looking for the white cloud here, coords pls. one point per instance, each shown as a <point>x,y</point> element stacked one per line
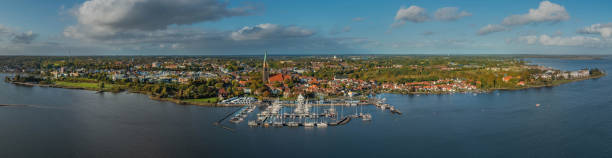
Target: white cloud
<point>546,12</point>
<point>605,30</point>
<point>547,40</point>
<point>358,19</point>
<point>450,14</point>
<point>269,31</point>
<point>491,28</point>
<point>104,18</point>
<point>411,14</point>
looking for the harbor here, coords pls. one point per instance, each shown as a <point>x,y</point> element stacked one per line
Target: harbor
<point>305,113</point>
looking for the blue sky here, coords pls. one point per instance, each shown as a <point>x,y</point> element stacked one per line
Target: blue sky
<point>212,27</point>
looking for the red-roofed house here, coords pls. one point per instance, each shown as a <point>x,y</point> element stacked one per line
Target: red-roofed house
<point>507,78</point>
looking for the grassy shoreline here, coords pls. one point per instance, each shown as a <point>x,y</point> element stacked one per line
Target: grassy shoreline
<point>213,101</point>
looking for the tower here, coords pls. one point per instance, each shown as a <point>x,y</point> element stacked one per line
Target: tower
<point>266,70</point>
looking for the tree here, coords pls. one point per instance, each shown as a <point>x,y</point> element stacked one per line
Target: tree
<point>164,93</point>
<point>219,85</point>
<point>101,85</point>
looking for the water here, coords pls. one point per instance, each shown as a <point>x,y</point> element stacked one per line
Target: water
<point>574,120</point>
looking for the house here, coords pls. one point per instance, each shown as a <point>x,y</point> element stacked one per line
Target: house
<point>580,74</point>
<point>507,78</point>
<point>340,78</point>
<point>155,64</point>
<point>247,90</point>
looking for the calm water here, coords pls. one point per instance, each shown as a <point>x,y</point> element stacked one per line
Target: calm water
<point>574,120</point>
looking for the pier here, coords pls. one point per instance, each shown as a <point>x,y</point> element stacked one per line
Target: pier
<point>302,113</point>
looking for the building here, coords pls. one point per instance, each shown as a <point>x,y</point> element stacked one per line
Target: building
<point>155,64</point>
<point>279,78</point>
<point>266,70</point>
<point>507,78</point>
<point>580,74</point>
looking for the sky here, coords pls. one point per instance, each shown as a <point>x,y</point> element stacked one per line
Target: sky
<point>292,27</point>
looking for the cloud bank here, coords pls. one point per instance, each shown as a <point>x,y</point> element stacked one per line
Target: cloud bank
<point>102,19</point>
<point>269,31</point>
<point>413,13</point>
<point>491,28</point>
<point>450,14</point>
<point>547,40</point>
<point>547,12</point>
<point>605,30</point>
<point>17,37</point>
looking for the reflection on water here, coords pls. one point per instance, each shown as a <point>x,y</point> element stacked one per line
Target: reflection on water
<point>573,120</point>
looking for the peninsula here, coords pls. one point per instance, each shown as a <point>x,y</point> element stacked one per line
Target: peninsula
<point>207,80</point>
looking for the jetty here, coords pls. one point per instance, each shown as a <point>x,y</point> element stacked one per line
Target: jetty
<point>380,103</point>
<point>304,113</point>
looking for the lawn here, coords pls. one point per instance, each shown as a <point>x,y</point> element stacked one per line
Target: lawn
<point>202,100</point>
<point>85,85</point>
<point>77,84</point>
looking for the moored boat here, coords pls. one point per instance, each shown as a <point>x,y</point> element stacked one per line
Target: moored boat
<point>321,125</point>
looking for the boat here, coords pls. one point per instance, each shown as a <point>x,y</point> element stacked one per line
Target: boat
<point>366,117</point>
<point>344,121</point>
<point>331,112</point>
<point>309,124</point>
<point>236,120</point>
<point>252,123</point>
<point>250,109</point>
<point>292,124</point>
<point>321,125</point>
<point>395,111</point>
<point>277,124</point>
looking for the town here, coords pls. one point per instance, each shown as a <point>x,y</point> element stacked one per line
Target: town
<point>205,80</point>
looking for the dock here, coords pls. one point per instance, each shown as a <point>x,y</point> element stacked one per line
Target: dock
<point>302,113</point>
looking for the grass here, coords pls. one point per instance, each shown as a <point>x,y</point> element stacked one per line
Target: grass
<point>202,100</point>
<point>78,84</point>
<point>84,85</point>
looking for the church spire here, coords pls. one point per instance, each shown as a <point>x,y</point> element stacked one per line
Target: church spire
<point>265,69</point>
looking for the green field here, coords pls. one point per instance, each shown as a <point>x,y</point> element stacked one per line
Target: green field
<point>202,100</point>
<point>77,84</point>
<point>84,85</point>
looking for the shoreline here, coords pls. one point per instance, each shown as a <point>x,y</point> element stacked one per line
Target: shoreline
<point>183,102</point>
<point>548,85</point>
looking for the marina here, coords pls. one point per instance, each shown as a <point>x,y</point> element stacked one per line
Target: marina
<point>307,114</point>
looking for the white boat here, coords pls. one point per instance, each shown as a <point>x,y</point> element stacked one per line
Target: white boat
<point>252,123</point>
<point>277,124</point>
<point>309,124</point>
<point>292,124</point>
<point>321,125</point>
<point>366,117</point>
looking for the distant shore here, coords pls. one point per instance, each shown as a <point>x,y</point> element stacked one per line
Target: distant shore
<point>560,82</point>
<point>215,104</point>
<point>568,57</point>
